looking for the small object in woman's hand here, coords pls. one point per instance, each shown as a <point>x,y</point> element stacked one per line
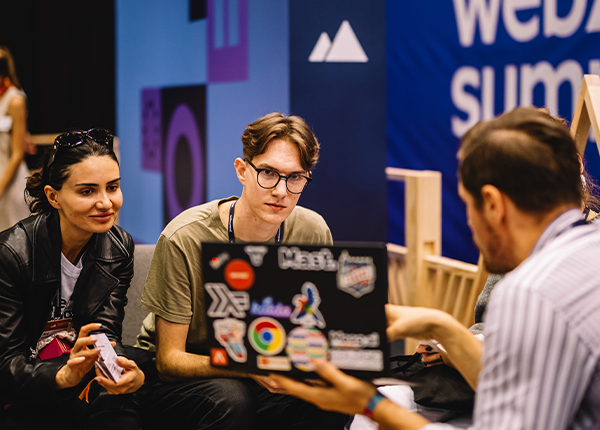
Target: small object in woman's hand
<point>106,361</point>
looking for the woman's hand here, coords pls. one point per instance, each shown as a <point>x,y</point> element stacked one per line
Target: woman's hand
<point>81,359</point>
<point>130,381</point>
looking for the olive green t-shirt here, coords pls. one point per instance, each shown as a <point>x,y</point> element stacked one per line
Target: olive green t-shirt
<point>174,289</point>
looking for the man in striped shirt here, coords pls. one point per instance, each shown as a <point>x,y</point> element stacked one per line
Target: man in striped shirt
<point>519,179</point>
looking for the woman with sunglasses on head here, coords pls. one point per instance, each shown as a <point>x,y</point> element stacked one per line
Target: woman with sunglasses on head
<point>13,129</point>
<point>64,277</point>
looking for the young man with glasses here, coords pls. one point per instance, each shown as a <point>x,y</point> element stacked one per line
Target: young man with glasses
<point>278,153</point>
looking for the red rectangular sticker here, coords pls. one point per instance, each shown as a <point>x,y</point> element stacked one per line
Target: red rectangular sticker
<point>218,357</point>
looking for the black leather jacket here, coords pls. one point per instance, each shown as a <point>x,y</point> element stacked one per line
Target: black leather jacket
<point>30,275</point>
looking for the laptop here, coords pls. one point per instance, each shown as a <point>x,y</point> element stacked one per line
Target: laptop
<point>273,308</point>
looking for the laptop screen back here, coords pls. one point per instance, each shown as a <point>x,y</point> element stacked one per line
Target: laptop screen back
<point>273,308</point>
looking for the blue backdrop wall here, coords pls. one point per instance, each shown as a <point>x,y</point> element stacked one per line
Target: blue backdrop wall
<point>461,61</point>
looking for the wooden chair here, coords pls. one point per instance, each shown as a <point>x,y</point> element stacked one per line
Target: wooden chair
<point>418,274</point>
<point>587,113</point>
<point>454,286</point>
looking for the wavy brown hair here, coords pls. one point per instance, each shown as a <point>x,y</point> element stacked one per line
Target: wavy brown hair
<point>293,129</point>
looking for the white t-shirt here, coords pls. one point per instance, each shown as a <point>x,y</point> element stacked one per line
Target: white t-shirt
<point>70,274</point>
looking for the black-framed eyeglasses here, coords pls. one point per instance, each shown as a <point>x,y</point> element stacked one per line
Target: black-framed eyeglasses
<point>269,178</point>
<point>74,138</point>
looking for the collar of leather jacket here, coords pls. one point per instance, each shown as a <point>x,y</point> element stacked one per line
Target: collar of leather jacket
<point>43,231</point>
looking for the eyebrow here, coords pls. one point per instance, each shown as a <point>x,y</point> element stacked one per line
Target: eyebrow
<point>95,185</point>
<point>266,166</point>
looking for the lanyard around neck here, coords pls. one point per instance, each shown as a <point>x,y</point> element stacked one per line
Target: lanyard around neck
<point>570,226</point>
<point>56,308</point>
<point>230,226</point>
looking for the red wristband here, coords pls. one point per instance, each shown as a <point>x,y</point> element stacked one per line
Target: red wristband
<point>373,402</point>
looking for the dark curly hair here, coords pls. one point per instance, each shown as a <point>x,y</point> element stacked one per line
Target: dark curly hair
<point>60,170</point>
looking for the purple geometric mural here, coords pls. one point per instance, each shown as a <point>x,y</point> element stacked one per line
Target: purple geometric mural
<point>173,136</point>
<point>151,130</point>
<point>227,40</point>
<point>184,137</point>
<point>183,130</point>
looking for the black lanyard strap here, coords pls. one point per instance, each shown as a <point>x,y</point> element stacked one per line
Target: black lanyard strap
<point>575,224</point>
<point>230,226</point>
<point>56,308</point>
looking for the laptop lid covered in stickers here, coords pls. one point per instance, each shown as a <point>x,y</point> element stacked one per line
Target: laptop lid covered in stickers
<point>273,308</point>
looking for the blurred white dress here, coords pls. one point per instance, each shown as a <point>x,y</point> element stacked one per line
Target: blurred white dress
<point>12,203</point>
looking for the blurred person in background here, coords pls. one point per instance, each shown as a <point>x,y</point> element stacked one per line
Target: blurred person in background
<point>13,131</point>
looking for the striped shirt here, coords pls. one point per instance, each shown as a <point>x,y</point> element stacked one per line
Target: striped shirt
<point>542,337</point>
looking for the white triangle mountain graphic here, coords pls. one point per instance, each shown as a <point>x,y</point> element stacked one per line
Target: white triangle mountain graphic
<point>321,49</point>
<point>345,47</point>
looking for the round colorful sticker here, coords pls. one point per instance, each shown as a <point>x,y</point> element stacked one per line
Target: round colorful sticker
<point>266,336</point>
<point>305,344</point>
<point>239,274</point>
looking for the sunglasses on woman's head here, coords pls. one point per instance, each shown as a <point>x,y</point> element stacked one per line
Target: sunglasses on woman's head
<point>74,138</point>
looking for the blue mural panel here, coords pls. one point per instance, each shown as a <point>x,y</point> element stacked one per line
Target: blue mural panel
<point>338,85</point>
<point>227,40</point>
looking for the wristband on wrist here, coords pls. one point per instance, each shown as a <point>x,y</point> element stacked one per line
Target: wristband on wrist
<point>373,402</point>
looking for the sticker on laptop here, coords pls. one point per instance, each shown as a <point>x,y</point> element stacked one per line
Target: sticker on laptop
<point>226,302</point>
<point>340,339</point>
<point>273,363</point>
<point>230,334</point>
<point>269,309</point>
<point>239,274</point>
<point>256,254</point>
<point>356,275</point>
<point>305,344</point>
<point>219,260</point>
<point>266,336</point>
<point>296,259</point>
<point>306,311</point>
<point>362,359</point>
<point>218,357</point>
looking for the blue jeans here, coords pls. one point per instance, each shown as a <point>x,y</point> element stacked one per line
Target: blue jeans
<point>227,403</point>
